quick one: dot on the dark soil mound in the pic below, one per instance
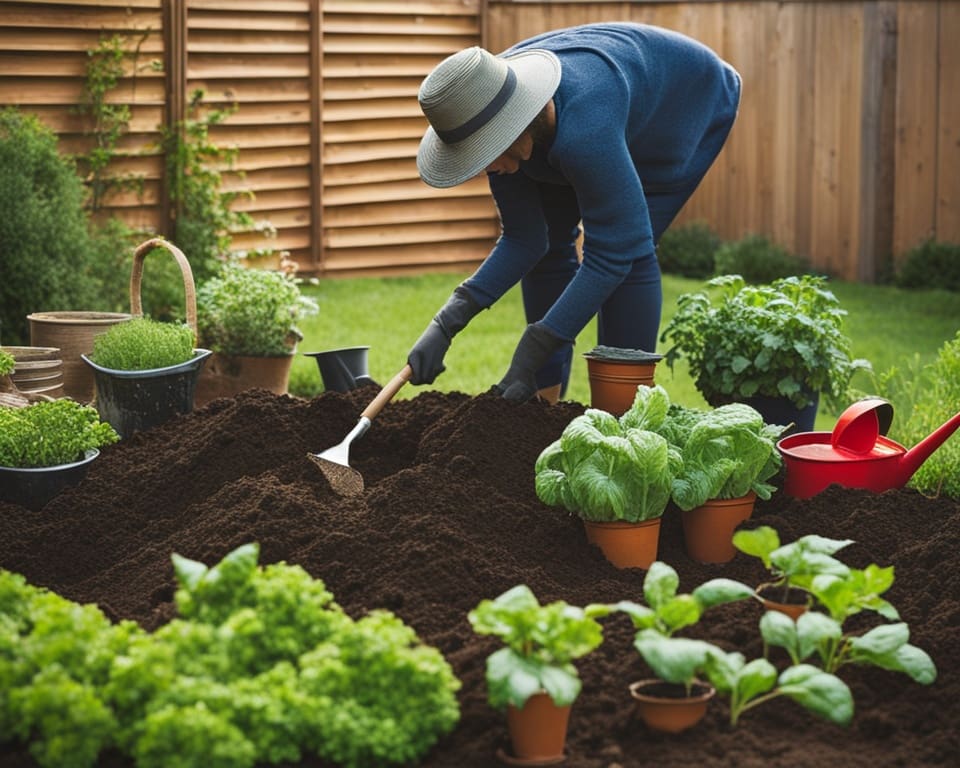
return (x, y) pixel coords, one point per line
(450, 517)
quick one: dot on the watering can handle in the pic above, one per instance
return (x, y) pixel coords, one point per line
(386, 394)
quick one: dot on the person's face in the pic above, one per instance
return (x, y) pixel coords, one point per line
(509, 161)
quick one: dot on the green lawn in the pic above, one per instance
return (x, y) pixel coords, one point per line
(887, 326)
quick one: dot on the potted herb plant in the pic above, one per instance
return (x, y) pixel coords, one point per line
(616, 475)
(792, 567)
(533, 676)
(777, 346)
(248, 317)
(145, 373)
(47, 447)
(675, 699)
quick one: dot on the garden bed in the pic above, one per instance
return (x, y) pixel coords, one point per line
(450, 517)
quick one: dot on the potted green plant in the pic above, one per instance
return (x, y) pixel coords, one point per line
(792, 567)
(728, 455)
(248, 317)
(675, 699)
(145, 373)
(47, 447)
(533, 676)
(777, 346)
(616, 475)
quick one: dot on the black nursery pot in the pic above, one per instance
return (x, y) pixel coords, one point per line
(781, 410)
(33, 487)
(132, 401)
(342, 369)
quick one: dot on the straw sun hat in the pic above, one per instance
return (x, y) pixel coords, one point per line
(477, 105)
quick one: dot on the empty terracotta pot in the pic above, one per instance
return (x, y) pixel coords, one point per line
(666, 707)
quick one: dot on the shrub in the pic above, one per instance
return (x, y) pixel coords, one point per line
(43, 231)
(247, 311)
(931, 265)
(758, 260)
(688, 250)
(48, 434)
(142, 344)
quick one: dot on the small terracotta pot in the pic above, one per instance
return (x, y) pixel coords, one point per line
(708, 529)
(613, 383)
(538, 731)
(770, 595)
(666, 707)
(626, 545)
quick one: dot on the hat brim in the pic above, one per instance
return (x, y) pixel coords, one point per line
(447, 165)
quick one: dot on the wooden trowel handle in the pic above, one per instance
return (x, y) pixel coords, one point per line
(386, 394)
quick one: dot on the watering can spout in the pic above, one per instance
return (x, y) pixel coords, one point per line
(910, 461)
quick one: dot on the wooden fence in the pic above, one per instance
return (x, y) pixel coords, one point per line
(846, 149)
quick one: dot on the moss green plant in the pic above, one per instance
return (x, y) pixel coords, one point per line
(143, 344)
(48, 434)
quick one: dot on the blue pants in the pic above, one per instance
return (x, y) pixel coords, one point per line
(630, 317)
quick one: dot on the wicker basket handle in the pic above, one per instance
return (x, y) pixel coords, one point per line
(136, 276)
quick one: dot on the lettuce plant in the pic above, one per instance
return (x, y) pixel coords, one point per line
(606, 469)
(541, 643)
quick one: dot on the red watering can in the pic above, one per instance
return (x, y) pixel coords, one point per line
(857, 454)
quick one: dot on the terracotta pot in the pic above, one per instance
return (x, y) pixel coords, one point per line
(626, 545)
(229, 375)
(666, 707)
(708, 529)
(73, 334)
(538, 731)
(795, 604)
(613, 383)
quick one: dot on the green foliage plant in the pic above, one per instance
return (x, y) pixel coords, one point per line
(44, 240)
(606, 469)
(927, 396)
(758, 260)
(793, 565)
(675, 660)
(8, 363)
(930, 265)
(249, 311)
(260, 667)
(48, 434)
(143, 344)
(784, 339)
(688, 250)
(541, 642)
(205, 217)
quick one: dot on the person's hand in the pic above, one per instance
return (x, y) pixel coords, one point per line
(426, 356)
(536, 346)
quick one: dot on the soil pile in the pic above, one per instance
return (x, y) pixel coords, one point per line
(450, 517)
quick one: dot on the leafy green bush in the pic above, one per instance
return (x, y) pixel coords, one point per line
(8, 363)
(261, 667)
(246, 311)
(688, 250)
(44, 241)
(142, 344)
(785, 339)
(48, 434)
(758, 260)
(931, 265)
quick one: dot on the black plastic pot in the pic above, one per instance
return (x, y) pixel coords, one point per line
(781, 410)
(343, 369)
(33, 487)
(134, 401)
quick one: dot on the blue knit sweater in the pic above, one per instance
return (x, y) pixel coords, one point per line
(640, 111)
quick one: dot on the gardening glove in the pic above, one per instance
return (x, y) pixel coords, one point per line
(426, 357)
(532, 353)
